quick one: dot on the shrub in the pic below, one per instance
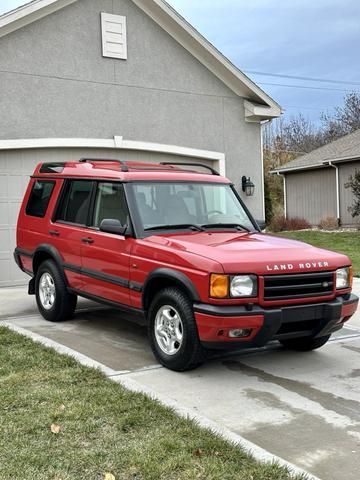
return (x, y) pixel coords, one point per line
(354, 185)
(269, 212)
(328, 223)
(281, 224)
(277, 224)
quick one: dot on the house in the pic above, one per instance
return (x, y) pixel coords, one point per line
(126, 79)
(314, 184)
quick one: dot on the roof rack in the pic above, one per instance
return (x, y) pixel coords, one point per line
(124, 167)
(213, 172)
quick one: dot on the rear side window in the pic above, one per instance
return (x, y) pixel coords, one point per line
(75, 203)
(39, 198)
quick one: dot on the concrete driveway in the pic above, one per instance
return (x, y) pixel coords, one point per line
(303, 407)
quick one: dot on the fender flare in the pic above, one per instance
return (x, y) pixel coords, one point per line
(52, 252)
(174, 275)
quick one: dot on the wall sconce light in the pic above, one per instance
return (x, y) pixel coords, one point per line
(247, 186)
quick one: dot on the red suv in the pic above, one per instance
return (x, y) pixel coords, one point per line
(178, 247)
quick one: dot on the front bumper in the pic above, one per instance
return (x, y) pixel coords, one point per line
(316, 320)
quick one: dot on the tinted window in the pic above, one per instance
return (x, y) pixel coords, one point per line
(39, 198)
(75, 203)
(110, 203)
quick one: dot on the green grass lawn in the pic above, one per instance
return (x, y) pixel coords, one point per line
(103, 428)
(343, 242)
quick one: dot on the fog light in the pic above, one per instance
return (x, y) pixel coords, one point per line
(240, 333)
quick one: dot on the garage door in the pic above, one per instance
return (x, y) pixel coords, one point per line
(14, 176)
(15, 168)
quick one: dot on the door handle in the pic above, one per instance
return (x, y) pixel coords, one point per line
(54, 233)
(87, 240)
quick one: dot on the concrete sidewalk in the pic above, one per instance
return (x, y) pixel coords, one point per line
(303, 407)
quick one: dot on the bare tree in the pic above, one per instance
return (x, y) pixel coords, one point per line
(345, 120)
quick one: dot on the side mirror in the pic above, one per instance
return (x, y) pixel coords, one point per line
(261, 224)
(110, 225)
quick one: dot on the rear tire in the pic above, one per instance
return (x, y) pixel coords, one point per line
(173, 332)
(305, 344)
(54, 301)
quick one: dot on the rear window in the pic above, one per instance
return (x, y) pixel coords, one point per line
(40, 198)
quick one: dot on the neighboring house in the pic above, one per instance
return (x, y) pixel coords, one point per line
(126, 79)
(314, 184)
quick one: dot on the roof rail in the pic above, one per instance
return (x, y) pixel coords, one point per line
(124, 167)
(213, 172)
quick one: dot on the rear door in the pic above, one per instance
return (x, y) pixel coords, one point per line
(106, 256)
(69, 227)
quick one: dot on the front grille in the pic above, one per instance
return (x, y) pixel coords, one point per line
(285, 287)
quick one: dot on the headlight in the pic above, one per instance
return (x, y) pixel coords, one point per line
(343, 278)
(233, 286)
(243, 286)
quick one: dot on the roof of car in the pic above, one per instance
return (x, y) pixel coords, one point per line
(129, 171)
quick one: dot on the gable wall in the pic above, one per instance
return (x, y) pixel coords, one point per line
(54, 82)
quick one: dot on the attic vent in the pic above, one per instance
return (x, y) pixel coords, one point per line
(114, 40)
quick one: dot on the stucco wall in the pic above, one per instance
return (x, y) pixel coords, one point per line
(54, 82)
(311, 195)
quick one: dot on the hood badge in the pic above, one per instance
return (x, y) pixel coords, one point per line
(301, 266)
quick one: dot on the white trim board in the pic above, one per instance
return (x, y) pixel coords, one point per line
(28, 13)
(117, 143)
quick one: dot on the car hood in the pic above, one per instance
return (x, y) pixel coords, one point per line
(253, 252)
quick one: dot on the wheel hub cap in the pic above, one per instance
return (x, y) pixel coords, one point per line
(168, 330)
(47, 291)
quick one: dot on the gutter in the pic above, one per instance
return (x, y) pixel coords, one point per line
(298, 169)
(330, 163)
(325, 163)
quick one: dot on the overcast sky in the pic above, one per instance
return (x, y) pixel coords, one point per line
(303, 38)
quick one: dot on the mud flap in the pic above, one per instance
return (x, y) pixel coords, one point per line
(31, 288)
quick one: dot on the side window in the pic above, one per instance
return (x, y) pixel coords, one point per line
(110, 203)
(39, 198)
(75, 202)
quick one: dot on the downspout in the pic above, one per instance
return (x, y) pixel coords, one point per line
(337, 191)
(285, 199)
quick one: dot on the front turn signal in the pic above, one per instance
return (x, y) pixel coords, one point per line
(219, 286)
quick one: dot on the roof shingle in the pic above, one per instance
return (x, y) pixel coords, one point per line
(347, 147)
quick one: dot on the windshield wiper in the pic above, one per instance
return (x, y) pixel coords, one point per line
(191, 226)
(238, 226)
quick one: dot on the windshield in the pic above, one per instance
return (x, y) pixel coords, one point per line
(189, 205)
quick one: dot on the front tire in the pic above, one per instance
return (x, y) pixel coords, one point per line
(54, 301)
(305, 344)
(173, 332)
